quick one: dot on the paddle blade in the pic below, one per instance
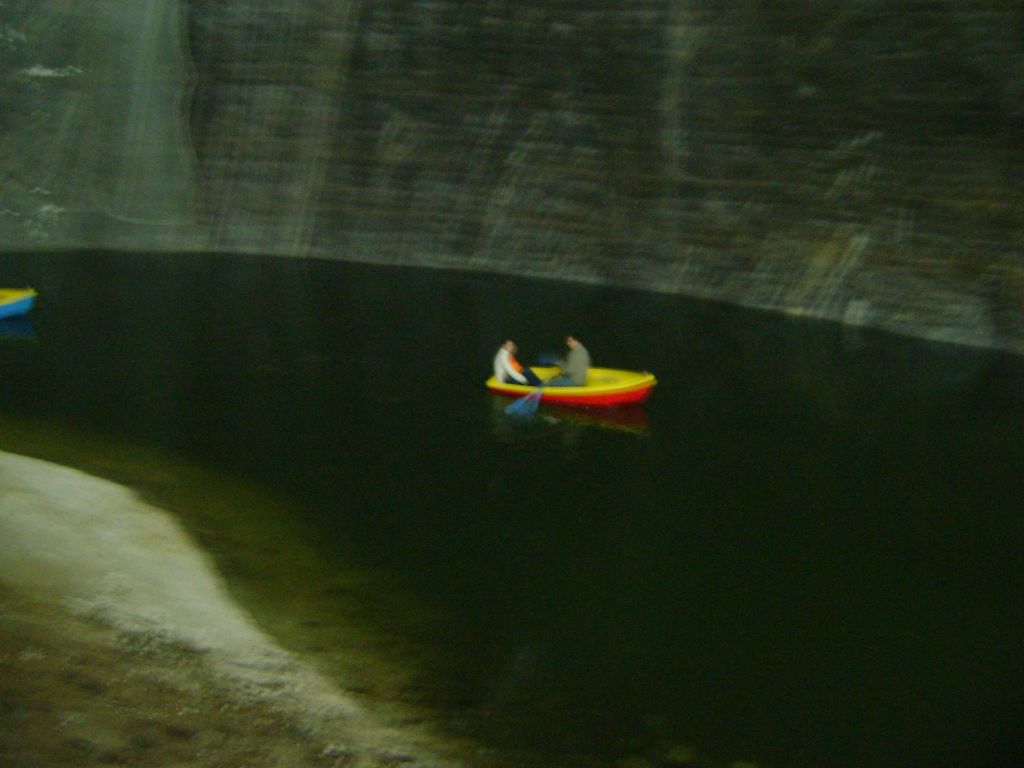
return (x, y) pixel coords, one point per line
(524, 406)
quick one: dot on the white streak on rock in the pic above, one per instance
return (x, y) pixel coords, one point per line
(39, 70)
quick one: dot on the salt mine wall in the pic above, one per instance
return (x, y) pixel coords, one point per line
(854, 161)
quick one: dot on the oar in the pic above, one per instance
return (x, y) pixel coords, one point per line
(526, 405)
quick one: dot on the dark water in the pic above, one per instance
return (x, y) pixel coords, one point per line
(805, 550)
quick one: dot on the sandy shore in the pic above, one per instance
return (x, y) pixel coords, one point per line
(120, 645)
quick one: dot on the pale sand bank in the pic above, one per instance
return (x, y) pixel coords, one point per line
(121, 645)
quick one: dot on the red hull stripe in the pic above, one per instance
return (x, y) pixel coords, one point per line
(621, 397)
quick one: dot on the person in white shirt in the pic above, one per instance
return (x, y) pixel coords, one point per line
(508, 370)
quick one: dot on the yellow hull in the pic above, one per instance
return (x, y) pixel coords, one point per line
(605, 387)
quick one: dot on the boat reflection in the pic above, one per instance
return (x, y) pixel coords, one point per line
(630, 419)
(17, 328)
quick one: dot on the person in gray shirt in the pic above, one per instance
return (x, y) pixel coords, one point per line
(574, 366)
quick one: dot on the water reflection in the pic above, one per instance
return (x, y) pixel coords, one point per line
(631, 421)
(17, 328)
(566, 421)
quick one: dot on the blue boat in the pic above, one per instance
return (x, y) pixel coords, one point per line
(15, 302)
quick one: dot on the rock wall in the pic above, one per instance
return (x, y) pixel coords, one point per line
(96, 149)
(855, 161)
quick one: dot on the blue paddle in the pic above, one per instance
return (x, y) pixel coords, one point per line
(525, 406)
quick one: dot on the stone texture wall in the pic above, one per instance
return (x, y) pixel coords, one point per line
(856, 161)
(95, 148)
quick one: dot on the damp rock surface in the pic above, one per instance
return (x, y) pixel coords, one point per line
(855, 162)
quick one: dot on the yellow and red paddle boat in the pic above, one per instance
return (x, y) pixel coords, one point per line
(605, 387)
